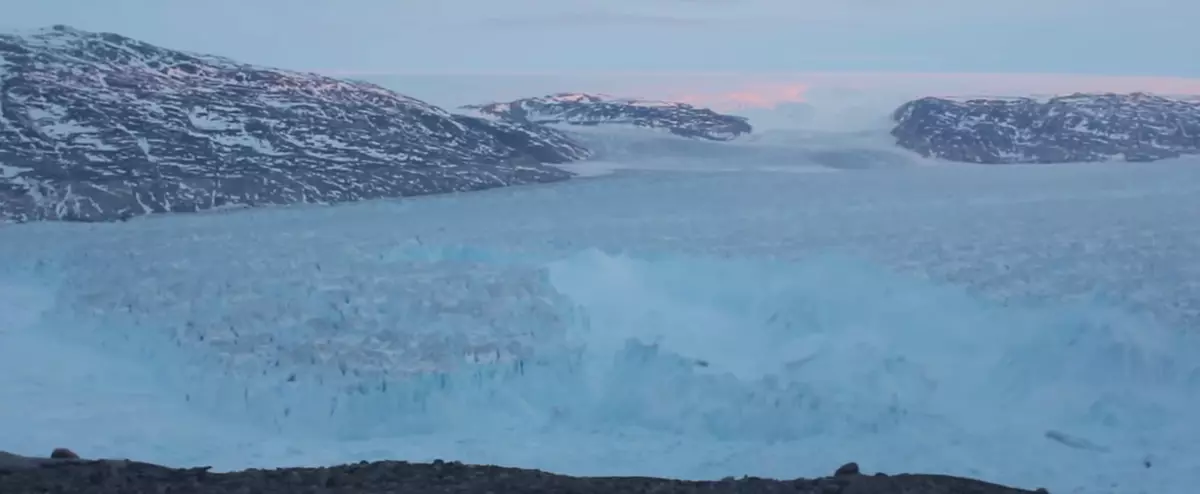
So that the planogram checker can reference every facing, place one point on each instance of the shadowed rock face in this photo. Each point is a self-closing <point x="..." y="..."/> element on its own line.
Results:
<point x="96" y="126"/>
<point x="1076" y="128"/>
<point x="589" y="109"/>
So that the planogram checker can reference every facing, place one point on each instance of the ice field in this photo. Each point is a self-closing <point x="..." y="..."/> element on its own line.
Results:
<point x="727" y="314"/>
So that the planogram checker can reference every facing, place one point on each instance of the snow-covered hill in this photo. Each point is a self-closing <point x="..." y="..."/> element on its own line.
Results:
<point x="1075" y="128"/>
<point x="97" y="126"/>
<point x="593" y="109"/>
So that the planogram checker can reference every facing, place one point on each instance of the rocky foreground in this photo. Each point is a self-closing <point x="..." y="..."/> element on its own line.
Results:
<point x="64" y="474"/>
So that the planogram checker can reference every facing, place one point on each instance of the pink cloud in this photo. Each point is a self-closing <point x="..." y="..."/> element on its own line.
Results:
<point x="732" y="90"/>
<point x="767" y="91"/>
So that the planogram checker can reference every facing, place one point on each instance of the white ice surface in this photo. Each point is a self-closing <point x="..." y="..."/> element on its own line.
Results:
<point x="783" y="147"/>
<point x="1027" y="325"/>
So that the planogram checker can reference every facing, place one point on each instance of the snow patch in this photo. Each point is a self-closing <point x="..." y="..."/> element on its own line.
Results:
<point x="9" y="171"/>
<point x="206" y="119"/>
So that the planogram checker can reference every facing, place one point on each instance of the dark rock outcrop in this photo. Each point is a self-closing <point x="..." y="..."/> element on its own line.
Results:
<point x="590" y="109"/>
<point x="96" y="126"/>
<point x="1075" y="128"/>
<point x="128" y="477"/>
<point x="847" y="469"/>
<point x="63" y="454"/>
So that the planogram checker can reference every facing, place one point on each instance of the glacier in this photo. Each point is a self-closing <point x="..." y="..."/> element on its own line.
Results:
<point x="1025" y="325"/>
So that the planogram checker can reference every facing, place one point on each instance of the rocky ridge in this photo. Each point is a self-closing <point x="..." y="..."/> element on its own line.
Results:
<point x="1075" y="128"/>
<point x="582" y="109"/>
<point x="21" y="475"/>
<point x="97" y="126"/>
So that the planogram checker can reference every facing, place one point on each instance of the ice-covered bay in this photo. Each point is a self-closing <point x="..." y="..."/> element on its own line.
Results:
<point x="756" y="322"/>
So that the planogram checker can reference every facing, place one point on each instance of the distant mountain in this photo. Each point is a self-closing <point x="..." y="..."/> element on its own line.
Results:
<point x="591" y="109"/>
<point x="1075" y="128"/>
<point x="96" y="126"/>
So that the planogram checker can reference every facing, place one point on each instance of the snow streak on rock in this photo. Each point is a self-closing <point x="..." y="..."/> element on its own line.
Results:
<point x="590" y="109"/>
<point x="1075" y="128"/>
<point x="96" y="126"/>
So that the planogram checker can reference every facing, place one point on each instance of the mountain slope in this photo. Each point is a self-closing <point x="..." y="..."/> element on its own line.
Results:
<point x="589" y="109"/>
<point x="1075" y="128"/>
<point x="96" y="126"/>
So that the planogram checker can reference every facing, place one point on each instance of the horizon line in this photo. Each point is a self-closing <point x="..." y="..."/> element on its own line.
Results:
<point x="660" y="72"/>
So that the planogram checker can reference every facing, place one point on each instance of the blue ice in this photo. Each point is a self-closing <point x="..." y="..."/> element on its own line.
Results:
<point x="757" y="323"/>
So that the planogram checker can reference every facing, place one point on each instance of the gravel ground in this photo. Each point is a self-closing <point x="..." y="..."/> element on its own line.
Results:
<point x="21" y="475"/>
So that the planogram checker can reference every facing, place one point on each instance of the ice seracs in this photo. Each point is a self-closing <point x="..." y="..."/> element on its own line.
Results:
<point x="1074" y="128"/>
<point x="601" y="109"/>
<point x="97" y="126"/>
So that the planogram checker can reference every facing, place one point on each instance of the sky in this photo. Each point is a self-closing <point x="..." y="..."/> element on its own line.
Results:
<point x="383" y="38"/>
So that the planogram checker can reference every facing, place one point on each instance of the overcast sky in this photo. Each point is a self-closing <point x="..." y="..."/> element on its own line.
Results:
<point x="1118" y="37"/>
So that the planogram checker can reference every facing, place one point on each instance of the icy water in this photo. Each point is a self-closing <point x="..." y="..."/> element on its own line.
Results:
<point x="1034" y="326"/>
